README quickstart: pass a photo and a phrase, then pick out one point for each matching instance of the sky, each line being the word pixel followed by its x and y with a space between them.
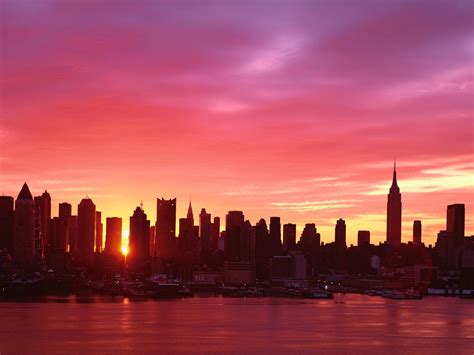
pixel 288 108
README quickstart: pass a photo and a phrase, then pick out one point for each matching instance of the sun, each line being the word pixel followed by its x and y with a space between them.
pixel 125 234
pixel 124 250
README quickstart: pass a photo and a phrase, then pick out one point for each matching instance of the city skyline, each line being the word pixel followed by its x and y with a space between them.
pixel 294 114
pixel 164 216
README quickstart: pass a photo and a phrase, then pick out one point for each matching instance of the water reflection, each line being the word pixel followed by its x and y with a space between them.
pixel 212 324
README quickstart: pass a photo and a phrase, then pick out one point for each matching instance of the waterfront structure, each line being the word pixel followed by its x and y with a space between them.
pixel 394 212
pixel 24 232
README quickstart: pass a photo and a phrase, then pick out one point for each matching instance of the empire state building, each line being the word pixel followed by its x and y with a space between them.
pixel 394 213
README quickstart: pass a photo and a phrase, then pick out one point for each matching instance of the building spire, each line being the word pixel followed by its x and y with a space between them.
pixel 190 211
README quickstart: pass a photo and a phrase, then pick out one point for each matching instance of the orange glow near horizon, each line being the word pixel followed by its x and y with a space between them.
pixel 125 234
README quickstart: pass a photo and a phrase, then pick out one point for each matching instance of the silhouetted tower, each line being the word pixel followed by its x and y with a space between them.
pixel 7 223
pixel 394 213
pixel 113 236
pixel 152 240
pixel 262 250
pixel 43 216
pixel 340 234
pixel 215 233
pixel 165 230
pixel 139 242
pixel 205 235
pixel 363 238
pixel 455 223
pixel 99 229
pixel 275 235
pixel 86 230
pixel 24 234
pixel 62 227
pixel 417 232
pixel 289 237
pixel 233 235
pixel 73 235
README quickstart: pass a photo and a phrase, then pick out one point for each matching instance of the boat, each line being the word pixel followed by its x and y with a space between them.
pixel 163 287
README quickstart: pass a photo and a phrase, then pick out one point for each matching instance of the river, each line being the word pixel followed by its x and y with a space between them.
pixel 349 323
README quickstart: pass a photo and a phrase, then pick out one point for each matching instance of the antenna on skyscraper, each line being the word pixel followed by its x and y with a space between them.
pixel 141 205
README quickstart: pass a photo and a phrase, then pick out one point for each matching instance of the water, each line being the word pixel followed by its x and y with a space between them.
pixel 359 324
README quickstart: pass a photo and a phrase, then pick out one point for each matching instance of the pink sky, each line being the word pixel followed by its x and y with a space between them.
pixel 287 108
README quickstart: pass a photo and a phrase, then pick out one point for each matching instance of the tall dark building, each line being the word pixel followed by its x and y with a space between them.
pixel 43 221
pixel 165 243
pixel 233 235
pixel 340 234
pixel 61 238
pixel 86 230
pixel 215 233
pixel 113 236
pixel 73 235
pixel 394 213
pixel 139 239
pixel 455 223
pixel 289 237
pixel 24 234
pixel 363 238
pixel 417 232
pixel 275 235
pixel 205 235
pixel 152 240
pixel 7 223
pixel 99 229
pixel 262 250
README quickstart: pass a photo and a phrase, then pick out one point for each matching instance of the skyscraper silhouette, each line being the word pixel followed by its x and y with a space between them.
pixel 233 234
pixel 289 237
pixel 99 229
pixel 205 235
pixel 417 232
pixel 24 235
pixel 394 213
pixel 363 238
pixel 62 227
pixel 113 236
pixel 43 217
pixel 73 235
pixel 455 222
pixel 275 235
pixel 340 234
pixel 165 243
pixel 7 223
pixel 215 233
pixel 86 230
pixel 139 239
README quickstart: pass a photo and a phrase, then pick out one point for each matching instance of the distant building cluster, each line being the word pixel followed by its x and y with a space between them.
pixel 242 253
